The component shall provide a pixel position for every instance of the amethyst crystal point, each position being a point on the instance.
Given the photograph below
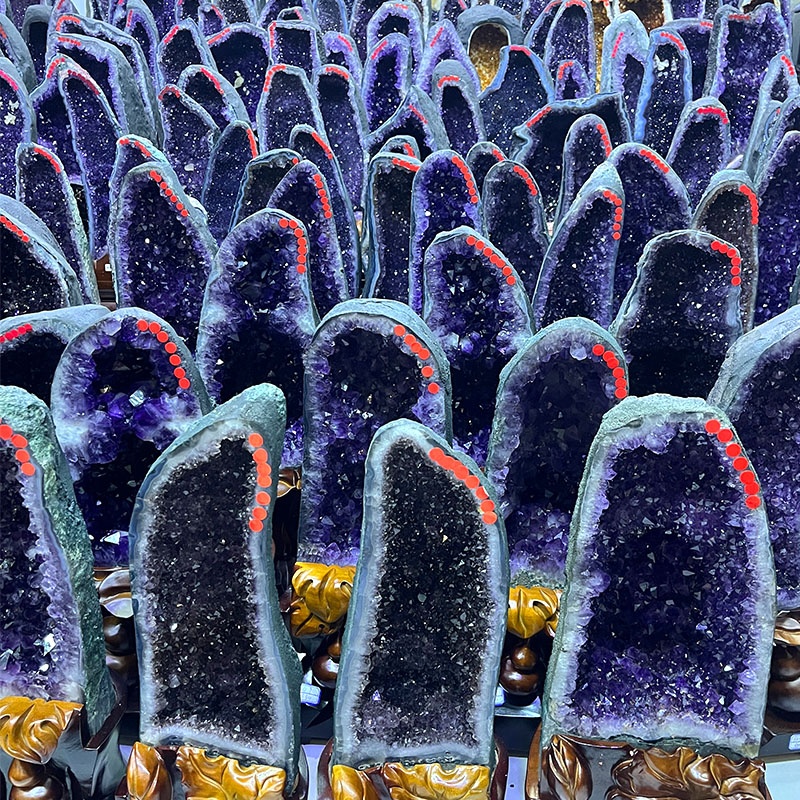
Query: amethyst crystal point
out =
(758, 388)
(13, 47)
(520, 86)
(261, 177)
(550, 401)
(201, 559)
(394, 17)
(456, 100)
(214, 93)
(443, 43)
(779, 221)
(141, 25)
(387, 76)
(444, 197)
(287, 100)
(161, 249)
(241, 53)
(742, 45)
(190, 135)
(313, 147)
(303, 193)
(417, 684)
(403, 146)
(31, 345)
(477, 308)
(696, 35)
(340, 50)
(577, 274)
(258, 317)
(118, 400)
(656, 202)
(182, 45)
(481, 157)
(543, 137)
(666, 89)
(370, 362)
(572, 81)
(16, 122)
(388, 218)
(295, 43)
(571, 37)
(673, 343)
(51, 638)
(232, 153)
(586, 147)
(514, 219)
(345, 119)
(43, 187)
(729, 211)
(701, 146)
(647, 649)
(625, 46)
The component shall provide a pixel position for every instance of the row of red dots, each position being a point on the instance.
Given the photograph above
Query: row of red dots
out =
(498, 154)
(170, 348)
(20, 443)
(64, 18)
(319, 182)
(270, 74)
(332, 69)
(9, 336)
(14, 228)
(138, 145)
(472, 482)
(562, 68)
(671, 37)
(787, 62)
(9, 80)
(736, 260)
(740, 463)
(69, 40)
(617, 43)
(605, 139)
(213, 79)
(447, 79)
(719, 112)
(493, 257)
(399, 162)
(302, 242)
(617, 201)
(421, 352)
(462, 167)
(168, 193)
(263, 481)
(323, 145)
(528, 178)
(657, 160)
(617, 370)
(753, 200)
(539, 115)
(216, 37)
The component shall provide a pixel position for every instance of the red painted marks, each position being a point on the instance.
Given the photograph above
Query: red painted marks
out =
(436, 37)
(418, 349)
(655, 158)
(485, 249)
(399, 162)
(301, 242)
(733, 254)
(54, 65)
(9, 80)
(259, 511)
(167, 192)
(740, 463)
(418, 114)
(716, 111)
(69, 40)
(538, 116)
(251, 140)
(323, 145)
(217, 36)
(170, 348)
(739, 17)
(45, 153)
(14, 228)
(171, 33)
(618, 214)
(378, 49)
(787, 62)
(447, 79)
(20, 445)
(466, 173)
(67, 18)
(753, 200)
(498, 154)
(322, 193)
(333, 69)
(579, 3)
(138, 145)
(213, 79)
(605, 139)
(520, 48)
(610, 359)
(15, 333)
(676, 40)
(705, 23)
(562, 69)
(271, 32)
(472, 482)
(169, 90)
(409, 150)
(528, 178)
(346, 42)
(271, 73)
(129, 20)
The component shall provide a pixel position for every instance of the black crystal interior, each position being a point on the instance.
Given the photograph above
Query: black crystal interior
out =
(392, 23)
(259, 183)
(666, 98)
(242, 59)
(632, 77)
(200, 88)
(386, 82)
(296, 46)
(53, 130)
(700, 155)
(178, 53)
(30, 363)
(96, 67)
(458, 119)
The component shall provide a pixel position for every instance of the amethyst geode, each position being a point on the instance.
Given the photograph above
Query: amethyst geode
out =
(759, 388)
(125, 387)
(201, 536)
(16, 122)
(625, 46)
(388, 72)
(370, 362)
(51, 641)
(550, 400)
(665, 630)
(426, 622)
(262, 175)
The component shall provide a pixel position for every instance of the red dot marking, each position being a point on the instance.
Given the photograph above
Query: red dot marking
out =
(714, 110)
(259, 513)
(409, 339)
(753, 501)
(399, 162)
(753, 200)
(751, 488)
(733, 450)
(399, 330)
(598, 349)
(427, 372)
(651, 156)
(736, 281)
(748, 476)
(22, 456)
(424, 354)
(740, 463)
(433, 388)
(713, 426)
(262, 498)
(436, 454)
(183, 383)
(490, 518)
(256, 525)
(674, 39)
(19, 441)
(538, 116)
(788, 64)
(255, 440)
(27, 469)
(6, 432)
(725, 435)
(621, 394)
(49, 156)
(170, 347)
(175, 360)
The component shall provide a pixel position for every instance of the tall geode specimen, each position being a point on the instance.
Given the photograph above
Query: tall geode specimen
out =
(261, 177)
(215, 93)
(387, 76)
(481, 157)
(125, 388)
(758, 388)
(16, 122)
(550, 401)
(51, 638)
(258, 316)
(665, 631)
(625, 46)
(161, 250)
(475, 304)
(31, 345)
(201, 559)
(681, 314)
(696, 35)
(370, 362)
(294, 42)
(571, 36)
(182, 46)
(456, 99)
(426, 622)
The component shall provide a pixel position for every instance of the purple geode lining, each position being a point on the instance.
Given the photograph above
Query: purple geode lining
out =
(295, 43)
(387, 76)
(261, 177)
(481, 157)
(182, 46)
(16, 123)
(572, 82)
(625, 45)
(214, 93)
(571, 37)
(456, 100)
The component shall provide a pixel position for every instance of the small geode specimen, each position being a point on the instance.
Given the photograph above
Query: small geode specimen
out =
(125, 387)
(481, 157)
(218, 667)
(665, 630)
(571, 38)
(550, 400)
(51, 639)
(388, 72)
(425, 626)
(182, 46)
(16, 122)
(759, 388)
(370, 362)
(215, 93)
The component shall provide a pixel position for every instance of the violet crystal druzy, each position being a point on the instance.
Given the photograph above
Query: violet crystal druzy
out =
(218, 668)
(665, 631)
(425, 627)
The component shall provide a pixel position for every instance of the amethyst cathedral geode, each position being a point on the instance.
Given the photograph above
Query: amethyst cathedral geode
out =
(424, 632)
(665, 631)
(201, 535)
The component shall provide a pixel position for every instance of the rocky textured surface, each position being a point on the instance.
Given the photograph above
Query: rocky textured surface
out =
(215, 93)
(387, 77)
(454, 95)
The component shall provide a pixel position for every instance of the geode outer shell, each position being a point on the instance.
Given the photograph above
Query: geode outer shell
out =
(625, 46)
(647, 649)
(182, 45)
(17, 51)
(481, 157)
(454, 94)
(571, 36)
(426, 623)
(201, 563)
(370, 362)
(52, 636)
(215, 93)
